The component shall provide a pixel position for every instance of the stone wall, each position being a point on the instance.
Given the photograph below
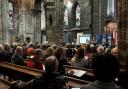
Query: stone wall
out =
(6, 36)
(99, 14)
(85, 13)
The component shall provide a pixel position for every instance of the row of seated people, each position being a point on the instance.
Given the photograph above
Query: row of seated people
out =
(105, 68)
(52, 52)
(80, 57)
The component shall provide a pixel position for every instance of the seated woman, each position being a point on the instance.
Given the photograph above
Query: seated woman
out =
(35, 60)
(7, 53)
(60, 55)
(17, 57)
(38, 58)
(78, 60)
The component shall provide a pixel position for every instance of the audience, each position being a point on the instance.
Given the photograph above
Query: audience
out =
(104, 64)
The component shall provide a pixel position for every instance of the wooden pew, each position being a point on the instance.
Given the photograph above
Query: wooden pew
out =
(89, 76)
(8, 67)
(123, 65)
(67, 67)
(4, 84)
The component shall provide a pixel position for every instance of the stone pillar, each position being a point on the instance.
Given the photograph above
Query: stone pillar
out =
(30, 21)
(1, 24)
(5, 32)
(22, 24)
(29, 24)
(123, 29)
(37, 22)
(85, 11)
(26, 24)
(72, 16)
(14, 35)
(99, 14)
(54, 21)
(37, 25)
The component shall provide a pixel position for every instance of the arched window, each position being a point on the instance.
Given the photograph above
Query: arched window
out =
(68, 6)
(78, 16)
(111, 8)
(43, 20)
(66, 18)
(10, 15)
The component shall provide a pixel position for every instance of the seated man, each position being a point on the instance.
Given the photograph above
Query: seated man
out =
(49, 80)
(105, 68)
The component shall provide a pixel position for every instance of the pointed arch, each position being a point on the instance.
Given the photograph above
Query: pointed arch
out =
(73, 23)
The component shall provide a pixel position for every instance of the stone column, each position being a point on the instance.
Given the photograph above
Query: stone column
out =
(37, 25)
(123, 29)
(99, 14)
(54, 21)
(26, 24)
(37, 22)
(5, 21)
(1, 24)
(72, 16)
(85, 11)
(30, 21)
(14, 34)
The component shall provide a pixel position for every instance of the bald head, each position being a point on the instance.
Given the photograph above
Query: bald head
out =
(115, 51)
(100, 49)
(51, 64)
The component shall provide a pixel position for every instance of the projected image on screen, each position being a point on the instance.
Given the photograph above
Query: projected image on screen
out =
(84, 39)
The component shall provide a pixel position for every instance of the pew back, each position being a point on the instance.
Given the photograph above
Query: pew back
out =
(8, 67)
(89, 76)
